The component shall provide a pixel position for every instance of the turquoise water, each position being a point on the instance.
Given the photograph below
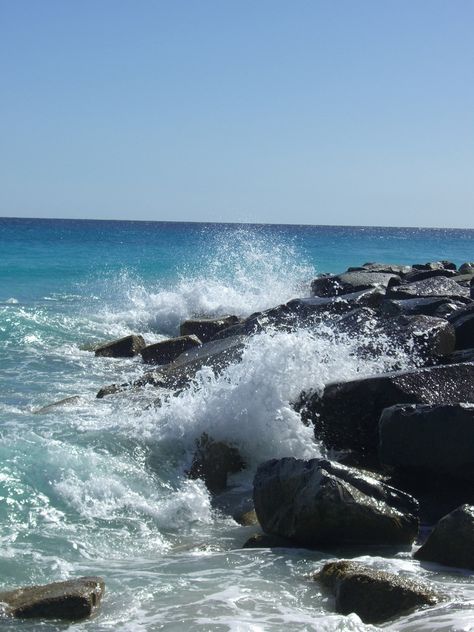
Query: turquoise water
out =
(99, 487)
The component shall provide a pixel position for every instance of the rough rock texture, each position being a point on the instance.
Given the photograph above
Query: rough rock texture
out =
(467, 268)
(318, 502)
(375, 596)
(349, 282)
(431, 438)
(168, 350)
(213, 462)
(452, 540)
(463, 323)
(384, 268)
(435, 265)
(347, 414)
(420, 275)
(72, 600)
(435, 286)
(429, 306)
(207, 328)
(123, 348)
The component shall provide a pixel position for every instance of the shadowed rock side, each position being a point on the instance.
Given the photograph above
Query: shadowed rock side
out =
(213, 461)
(349, 282)
(207, 328)
(123, 348)
(375, 596)
(71, 600)
(452, 540)
(168, 350)
(318, 502)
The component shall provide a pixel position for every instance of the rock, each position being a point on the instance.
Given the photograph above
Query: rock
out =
(318, 503)
(267, 541)
(430, 306)
(451, 542)
(166, 351)
(247, 519)
(350, 282)
(463, 323)
(124, 348)
(463, 355)
(467, 268)
(72, 600)
(111, 389)
(464, 279)
(433, 439)
(213, 462)
(375, 596)
(62, 403)
(347, 414)
(207, 328)
(420, 275)
(435, 286)
(435, 265)
(383, 268)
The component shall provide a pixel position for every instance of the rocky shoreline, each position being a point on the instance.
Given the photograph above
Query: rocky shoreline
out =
(398, 447)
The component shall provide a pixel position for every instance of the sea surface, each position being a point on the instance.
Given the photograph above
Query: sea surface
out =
(99, 487)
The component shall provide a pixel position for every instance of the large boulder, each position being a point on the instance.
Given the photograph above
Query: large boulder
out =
(463, 323)
(435, 265)
(434, 286)
(213, 461)
(432, 439)
(375, 596)
(207, 328)
(347, 414)
(384, 268)
(168, 350)
(71, 600)
(126, 347)
(452, 540)
(467, 268)
(349, 282)
(428, 306)
(318, 503)
(420, 275)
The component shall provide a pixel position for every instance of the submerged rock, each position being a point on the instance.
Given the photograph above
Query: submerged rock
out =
(62, 403)
(347, 414)
(452, 540)
(123, 348)
(207, 328)
(213, 462)
(166, 351)
(432, 439)
(71, 600)
(318, 503)
(375, 596)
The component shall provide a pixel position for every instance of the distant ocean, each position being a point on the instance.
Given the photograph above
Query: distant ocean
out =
(99, 487)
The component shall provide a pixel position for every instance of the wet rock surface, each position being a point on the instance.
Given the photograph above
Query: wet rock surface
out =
(126, 347)
(71, 600)
(318, 503)
(213, 462)
(375, 596)
(349, 282)
(166, 351)
(463, 323)
(207, 328)
(434, 286)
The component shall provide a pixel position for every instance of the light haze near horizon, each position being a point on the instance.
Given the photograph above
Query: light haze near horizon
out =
(358, 113)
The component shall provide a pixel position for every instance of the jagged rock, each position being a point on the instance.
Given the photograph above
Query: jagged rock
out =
(467, 268)
(62, 403)
(437, 438)
(213, 462)
(346, 415)
(123, 348)
(350, 282)
(430, 306)
(207, 328)
(267, 541)
(435, 286)
(110, 390)
(319, 503)
(463, 323)
(420, 275)
(452, 540)
(166, 351)
(383, 268)
(464, 279)
(435, 265)
(375, 596)
(71, 600)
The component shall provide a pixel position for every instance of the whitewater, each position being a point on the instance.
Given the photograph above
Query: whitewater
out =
(99, 487)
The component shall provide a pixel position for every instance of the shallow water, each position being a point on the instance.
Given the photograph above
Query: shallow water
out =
(99, 486)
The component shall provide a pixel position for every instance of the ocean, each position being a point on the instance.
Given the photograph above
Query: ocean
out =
(99, 487)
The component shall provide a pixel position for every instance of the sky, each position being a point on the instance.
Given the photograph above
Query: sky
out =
(357, 112)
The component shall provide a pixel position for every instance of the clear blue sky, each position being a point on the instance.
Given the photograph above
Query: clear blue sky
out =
(295, 111)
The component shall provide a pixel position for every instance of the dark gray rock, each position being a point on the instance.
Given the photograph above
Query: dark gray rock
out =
(435, 265)
(435, 286)
(452, 540)
(350, 282)
(467, 268)
(111, 389)
(375, 596)
(247, 518)
(62, 403)
(123, 348)
(318, 503)
(213, 461)
(430, 306)
(207, 328)
(436, 438)
(267, 541)
(166, 351)
(420, 275)
(347, 414)
(463, 355)
(464, 279)
(463, 323)
(71, 600)
(383, 268)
